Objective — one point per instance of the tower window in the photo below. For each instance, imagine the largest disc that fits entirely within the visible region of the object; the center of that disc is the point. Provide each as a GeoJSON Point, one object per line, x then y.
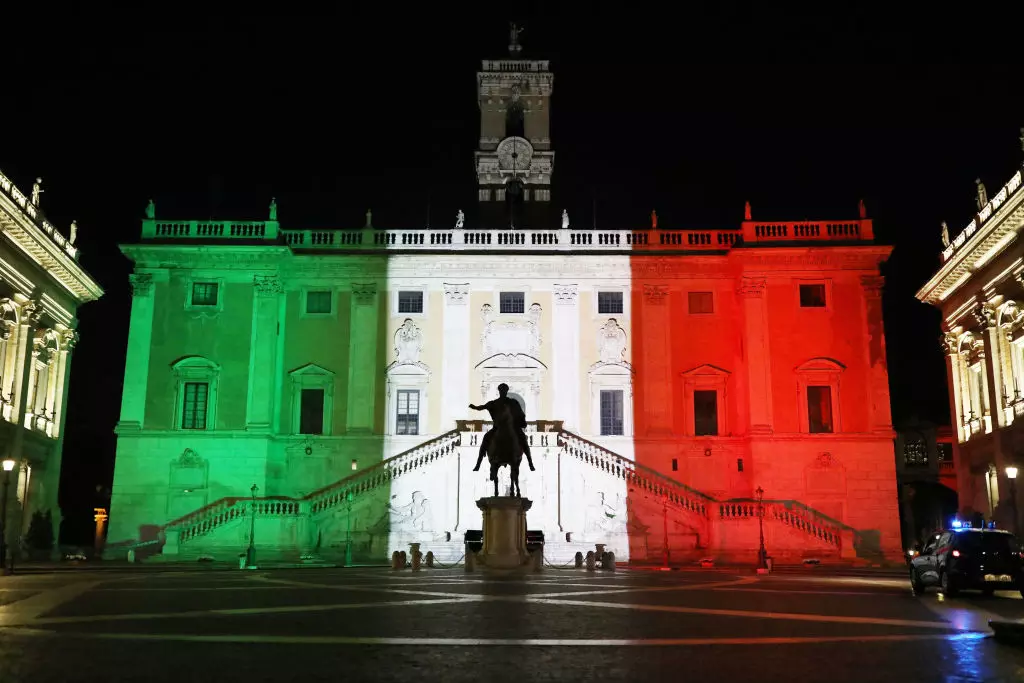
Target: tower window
{"type": "Point", "coordinates": [609, 303]}
{"type": "Point", "coordinates": [512, 302]}
{"type": "Point", "coordinates": [812, 296]}
{"type": "Point", "coordinates": [204, 294]}
{"type": "Point", "coordinates": [819, 409]}
{"type": "Point", "coordinates": [515, 120]}
{"type": "Point", "coordinates": [611, 413]}
{"type": "Point", "coordinates": [701, 302]}
{"type": "Point", "coordinates": [410, 302]}
{"type": "Point", "coordinates": [407, 421]}
{"type": "Point", "coordinates": [705, 413]}
{"type": "Point", "coordinates": [318, 302]}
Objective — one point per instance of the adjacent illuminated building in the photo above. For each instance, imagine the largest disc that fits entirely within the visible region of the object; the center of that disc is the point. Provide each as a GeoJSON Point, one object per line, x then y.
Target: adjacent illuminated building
{"type": "Point", "coordinates": [669, 375]}
{"type": "Point", "coordinates": [41, 287]}
{"type": "Point", "coordinates": [980, 290]}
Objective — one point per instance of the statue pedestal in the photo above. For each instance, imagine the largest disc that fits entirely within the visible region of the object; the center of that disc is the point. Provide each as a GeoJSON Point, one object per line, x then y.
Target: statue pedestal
{"type": "Point", "coordinates": [504, 533]}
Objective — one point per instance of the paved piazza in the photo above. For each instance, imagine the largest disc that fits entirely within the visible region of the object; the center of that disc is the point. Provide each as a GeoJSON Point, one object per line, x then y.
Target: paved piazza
{"type": "Point", "coordinates": [446, 625]}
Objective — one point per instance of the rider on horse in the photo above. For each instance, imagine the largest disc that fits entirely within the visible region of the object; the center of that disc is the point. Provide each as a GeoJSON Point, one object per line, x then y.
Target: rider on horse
{"type": "Point", "coordinates": [495, 407]}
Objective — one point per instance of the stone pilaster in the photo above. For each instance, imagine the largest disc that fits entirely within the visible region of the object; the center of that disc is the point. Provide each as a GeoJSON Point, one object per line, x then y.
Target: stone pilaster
{"type": "Point", "coordinates": [31, 312]}
{"type": "Point", "coordinates": [68, 341]}
{"type": "Point", "coordinates": [653, 370]}
{"type": "Point", "coordinates": [993, 368]}
{"type": "Point", "coordinates": [956, 389]}
{"type": "Point", "coordinates": [136, 364]}
{"type": "Point", "coordinates": [878, 373]}
{"type": "Point", "coordinates": [261, 399]}
{"type": "Point", "coordinates": [757, 354]}
{"type": "Point", "coordinates": [362, 359]}
{"type": "Point", "coordinates": [566, 389]}
{"type": "Point", "coordinates": [455, 361]}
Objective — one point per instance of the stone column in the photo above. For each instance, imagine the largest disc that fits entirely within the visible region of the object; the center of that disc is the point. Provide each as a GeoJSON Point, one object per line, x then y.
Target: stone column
{"type": "Point", "coordinates": [992, 367]}
{"type": "Point", "coordinates": [655, 365]}
{"type": "Point", "coordinates": [880, 411]}
{"type": "Point", "coordinates": [757, 354]}
{"type": "Point", "coordinates": [565, 336]}
{"type": "Point", "coordinates": [362, 359]}
{"type": "Point", "coordinates": [956, 402]}
{"type": "Point", "coordinates": [986, 317]}
{"type": "Point", "coordinates": [136, 364]}
{"type": "Point", "coordinates": [31, 312]}
{"type": "Point", "coordinates": [455, 360]}
{"type": "Point", "coordinates": [261, 400]}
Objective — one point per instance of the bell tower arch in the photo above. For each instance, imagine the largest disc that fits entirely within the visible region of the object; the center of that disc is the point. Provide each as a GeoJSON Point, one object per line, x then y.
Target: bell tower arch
{"type": "Point", "coordinates": [514, 159]}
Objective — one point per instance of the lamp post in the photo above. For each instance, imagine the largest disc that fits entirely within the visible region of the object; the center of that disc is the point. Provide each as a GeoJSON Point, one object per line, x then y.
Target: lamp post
{"type": "Point", "coordinates": [1011, 474]}
{"type": "Point", "coordinates": [348, 529]}
{"type": "Point", "coordinates": [8, 465]}
{"type": "Point", "coordinates": [761, 553]}
{"type": "Point", "coordinates": [250, 554]}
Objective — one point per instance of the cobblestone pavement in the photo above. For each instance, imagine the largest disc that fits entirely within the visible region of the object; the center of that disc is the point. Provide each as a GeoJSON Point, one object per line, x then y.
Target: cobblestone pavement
{"type": "Point", "coordinates": [446, 625]}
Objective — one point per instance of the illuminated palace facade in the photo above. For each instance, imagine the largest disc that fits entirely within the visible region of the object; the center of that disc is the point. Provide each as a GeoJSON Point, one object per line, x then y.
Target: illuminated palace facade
{"type": "Point", "coordinates": [41, 287]}
{"type": "Point", "coordinates": [980, 290]}
{"type": "Point", "coordinates": [313, 385]}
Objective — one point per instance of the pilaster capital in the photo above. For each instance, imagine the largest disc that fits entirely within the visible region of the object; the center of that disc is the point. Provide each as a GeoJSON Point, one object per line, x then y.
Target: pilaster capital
{"type": "Point", "coordinates": [141, 284]}
{"type": "Point", "coordinates": [69, 339]}
{"type": "Point", "coordinates": [456, 295]}
{"type": "Point", "coordinates": [655, 295]}
{"type": "Point", "coordinates": [31, 313]}
{"type": "Point", "coordinates": [985, 314]}
{"type": "Point", "coordinates": [565, 295]}
{"type": "Point", "coordinates": [872, 285]}
{"type": "Point", "coordinates": [267, 285]}
{"type": "Point", "coordinates": [949, 342]}
{"type": "Point", "coordinates": [751, 287]}
{"type": "Point", "coordinates": [364, 294]}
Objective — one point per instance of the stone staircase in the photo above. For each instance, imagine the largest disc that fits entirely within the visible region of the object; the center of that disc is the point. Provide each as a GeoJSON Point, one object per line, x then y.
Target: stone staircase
{"type": "Point", "coordinates": [724, 529]}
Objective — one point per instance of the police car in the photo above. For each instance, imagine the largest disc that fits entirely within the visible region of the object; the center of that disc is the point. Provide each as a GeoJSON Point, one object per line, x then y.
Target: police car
{"type": "Point", "coordinates": [967, 558]}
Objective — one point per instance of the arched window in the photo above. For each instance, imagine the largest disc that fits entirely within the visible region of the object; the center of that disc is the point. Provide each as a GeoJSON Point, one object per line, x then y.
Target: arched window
{"type": "Point", "coordinates": [515, 120]}
{"type": "Point", "coordinates": [195, 404]}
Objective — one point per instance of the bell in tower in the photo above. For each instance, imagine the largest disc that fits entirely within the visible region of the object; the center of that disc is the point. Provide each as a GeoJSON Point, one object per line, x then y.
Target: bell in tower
{"type": "Point", "coordinates": [514, 160]}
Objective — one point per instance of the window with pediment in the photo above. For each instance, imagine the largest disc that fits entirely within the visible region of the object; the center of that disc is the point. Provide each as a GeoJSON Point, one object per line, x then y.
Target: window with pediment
{"type": "Point", "coordinates": [819, 386]}
{"type": "Point", "coordinates": [312, 389]}
{"type": "Point", "coordinates": [197, 381]}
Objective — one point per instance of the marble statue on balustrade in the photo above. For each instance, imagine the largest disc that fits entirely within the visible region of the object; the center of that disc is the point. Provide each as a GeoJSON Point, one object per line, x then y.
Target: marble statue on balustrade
{"type": "Point", "coordinates": [273, 208]}
{"type": "Point", "coordinates": [506, 442]}
{"type": "Point", "coordinates": [460, 220]}
{"type": "Point", "coordinates": [945, 235]}
{"type": "Point", "coordinates": [74, 233]}
{"type": "Point", "coordinates": [151, 209]}
{"type": "Point", "coordinates": [565, 219]}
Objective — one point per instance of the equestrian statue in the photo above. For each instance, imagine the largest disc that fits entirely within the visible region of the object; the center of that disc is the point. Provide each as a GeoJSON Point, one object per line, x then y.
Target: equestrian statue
{"type": "Point", "coordinates": [505, 443]}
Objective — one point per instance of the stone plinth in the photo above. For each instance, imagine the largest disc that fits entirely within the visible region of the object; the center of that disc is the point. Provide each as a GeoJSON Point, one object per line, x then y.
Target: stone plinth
{"type": "Point", "coordinates": [504, 533]}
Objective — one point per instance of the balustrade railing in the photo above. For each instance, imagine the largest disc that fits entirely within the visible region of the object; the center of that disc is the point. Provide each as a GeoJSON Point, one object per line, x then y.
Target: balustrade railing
{"type": "Point", "coordinates": [649, 480]}
{"type": "Point", "coordinates": [788, 512]}
{"type": "Point", "coordinates": [226, 510]}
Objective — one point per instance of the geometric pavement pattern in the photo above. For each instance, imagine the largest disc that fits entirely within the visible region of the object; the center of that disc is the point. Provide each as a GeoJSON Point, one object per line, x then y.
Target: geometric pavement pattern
{"type": "Point", "coordinates": [562, 624]}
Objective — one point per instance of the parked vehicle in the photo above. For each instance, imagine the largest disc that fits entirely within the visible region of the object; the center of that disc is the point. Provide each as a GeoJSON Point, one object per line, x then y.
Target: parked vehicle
{"type": "Point", "coordinates": [964, 558]}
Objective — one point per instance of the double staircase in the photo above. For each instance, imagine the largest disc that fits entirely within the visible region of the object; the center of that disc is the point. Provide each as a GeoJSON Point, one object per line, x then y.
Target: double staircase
{"type": "Point", "coordinates": [718, 527]}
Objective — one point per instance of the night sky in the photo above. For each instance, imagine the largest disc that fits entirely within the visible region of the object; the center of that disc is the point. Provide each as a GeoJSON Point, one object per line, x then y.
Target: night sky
{"type": "Point", "coordinates": [334, 114]}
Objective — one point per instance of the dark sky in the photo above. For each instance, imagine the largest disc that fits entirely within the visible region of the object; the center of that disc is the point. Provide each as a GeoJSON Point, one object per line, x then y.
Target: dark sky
{"type": "Point", "coordinates": [334, 113]}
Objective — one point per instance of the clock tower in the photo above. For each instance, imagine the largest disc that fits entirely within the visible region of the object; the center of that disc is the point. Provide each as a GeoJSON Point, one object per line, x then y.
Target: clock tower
{"type": "Point", "coordinates": [514, 161]}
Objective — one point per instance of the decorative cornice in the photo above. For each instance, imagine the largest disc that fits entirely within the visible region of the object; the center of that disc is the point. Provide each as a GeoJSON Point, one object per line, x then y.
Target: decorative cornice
{"type": "Point", "coordinates": [655, 294]}
{"type": "Point", "coordinates": [267, 285]}
{"type": "Point", "coordinates": [31, 313]}
{"type": "Point", "coordinates": [364, 294]}
{"type": "Point", "coordinates": [141, 283]}
{"type": "Point", "coordinates": [565, 295]}
{"type": "Point", "coordinates": [456, 295]}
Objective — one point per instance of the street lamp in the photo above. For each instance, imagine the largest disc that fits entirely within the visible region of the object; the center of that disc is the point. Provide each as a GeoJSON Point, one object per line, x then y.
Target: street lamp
{"type": "Point", "coordinates": [250, 554]}
{"type": "Point", "coordinates": [348, 531]}
{"type": "Point", "coordinates": [8, 465]}
{"type": "Point", "coordinates": [761, 552]}
{"type": "Point", "coordinates": [1011, 474]}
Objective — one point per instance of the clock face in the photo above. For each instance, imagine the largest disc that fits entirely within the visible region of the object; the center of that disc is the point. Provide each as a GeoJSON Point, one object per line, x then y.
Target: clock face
{"type": "Point", "coordinates": [514, 153]}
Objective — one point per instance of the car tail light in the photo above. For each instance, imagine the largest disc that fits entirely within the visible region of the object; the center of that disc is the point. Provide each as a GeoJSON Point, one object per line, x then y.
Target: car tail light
{"type": "Point", "coordinates": [956, 553]}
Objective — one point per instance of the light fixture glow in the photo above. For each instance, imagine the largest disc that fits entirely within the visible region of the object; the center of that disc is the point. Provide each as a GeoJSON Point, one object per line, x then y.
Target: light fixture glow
{"type": "Point", "coordinates": [8, 465]}
{"type": "Point", "coordinates": [1011, 472]}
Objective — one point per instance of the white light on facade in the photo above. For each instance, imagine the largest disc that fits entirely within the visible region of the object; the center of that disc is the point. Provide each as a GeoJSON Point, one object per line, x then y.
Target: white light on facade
{"type": "Point", "coordinates": [1011, 472]}
{"type": "Point", "coordinates": [8, 465]}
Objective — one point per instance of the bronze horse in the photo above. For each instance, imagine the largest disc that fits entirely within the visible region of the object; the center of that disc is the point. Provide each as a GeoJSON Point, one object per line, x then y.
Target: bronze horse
{"type": "Point", "coordinates": [504, 449]}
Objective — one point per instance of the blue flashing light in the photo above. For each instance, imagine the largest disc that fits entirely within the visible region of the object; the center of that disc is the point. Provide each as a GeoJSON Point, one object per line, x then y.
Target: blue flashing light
{"type": "Point", "coordinates": [957, 524]}
{"type": "Point", "coordinates": [991, 525]}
